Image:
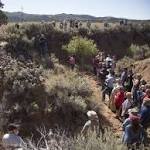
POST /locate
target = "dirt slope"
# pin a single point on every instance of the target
(143, 67)
(107, 117)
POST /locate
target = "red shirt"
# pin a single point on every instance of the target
(119, 99)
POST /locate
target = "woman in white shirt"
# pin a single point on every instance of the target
(126, 105)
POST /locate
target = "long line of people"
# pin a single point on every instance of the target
(128, 97)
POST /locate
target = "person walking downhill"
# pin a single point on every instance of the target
(126, 105)
(118, 100)
(109, 84)
(116, 88)
(134, 133)
(92, 124)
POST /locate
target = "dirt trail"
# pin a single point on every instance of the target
(107, 115)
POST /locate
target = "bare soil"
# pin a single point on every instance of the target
(143, 67)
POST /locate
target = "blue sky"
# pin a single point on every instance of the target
(132, 9)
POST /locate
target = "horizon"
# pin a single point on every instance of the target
(135, 9)
(80, 15)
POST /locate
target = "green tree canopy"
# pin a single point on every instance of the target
(83, 48)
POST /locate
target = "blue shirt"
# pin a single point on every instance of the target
(126, 123)
(131, 137)
(145, 115)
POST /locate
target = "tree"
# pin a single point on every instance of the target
(3, 17)
(83, 48)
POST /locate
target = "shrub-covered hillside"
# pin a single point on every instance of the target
(116, 40)
(33, 96)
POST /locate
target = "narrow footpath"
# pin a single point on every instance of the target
(107, 116)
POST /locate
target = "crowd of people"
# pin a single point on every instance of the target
(125, 93)
(128, 96)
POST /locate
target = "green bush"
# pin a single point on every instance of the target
(68, 88)
(83, 48)
(125, 62)
(21, 88)
(28, 91)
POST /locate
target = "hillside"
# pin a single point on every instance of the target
(17, 16)
(38, 91)
(143, 67)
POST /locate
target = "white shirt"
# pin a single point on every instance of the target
(12, 140)
(110, 81)
(108, 60)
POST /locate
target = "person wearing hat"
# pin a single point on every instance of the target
(12, 140)
(133, 132)
(92, 124)
(131, 112)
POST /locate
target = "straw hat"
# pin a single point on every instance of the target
(133, 111)
(92, 114)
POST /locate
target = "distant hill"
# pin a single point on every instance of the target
(19, 16)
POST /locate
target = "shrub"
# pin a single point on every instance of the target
(83, 48)
(125, 62)
(68, 88)
(29, 92)
(59, 140)
(21, 88)
(139, 52)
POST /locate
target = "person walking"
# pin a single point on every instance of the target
(126, 105)
(92, 124)
(109, 84)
